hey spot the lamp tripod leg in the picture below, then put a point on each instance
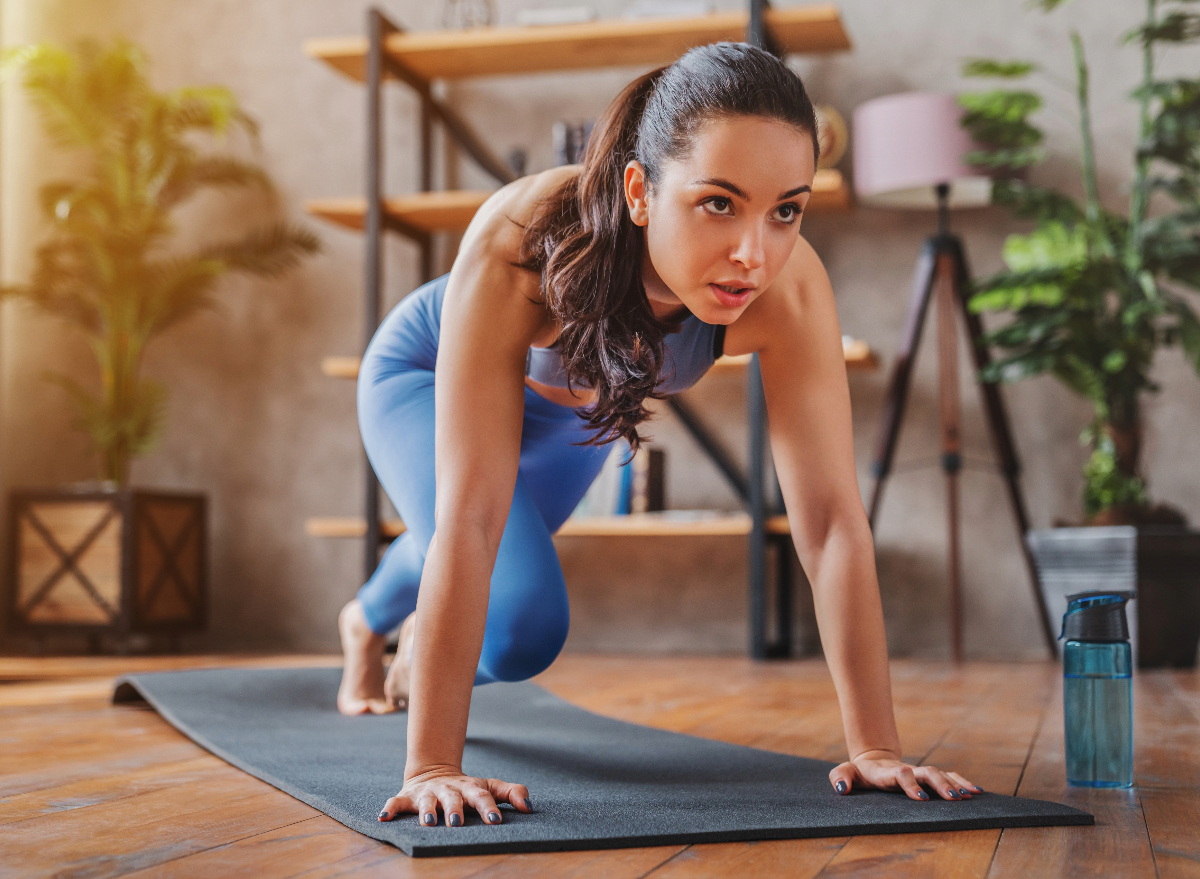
(901, 377)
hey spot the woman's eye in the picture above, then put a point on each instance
(788, 212)
(719, 206)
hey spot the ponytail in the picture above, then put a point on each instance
(589, 253)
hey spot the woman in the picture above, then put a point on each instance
(576, 295)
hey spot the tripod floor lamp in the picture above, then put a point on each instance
(908, 155)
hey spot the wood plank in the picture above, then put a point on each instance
(385, 862)
(111, 785)
(989, 745)
(452, 210)
(149, 829)
(633, 525)
(858, 355)
(490, 51)
(794, 858)
(1167, 770)
(446, 211)
(38, 668)
(1116, 846)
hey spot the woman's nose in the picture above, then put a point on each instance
(748, 251)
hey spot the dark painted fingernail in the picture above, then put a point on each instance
(840, 787)
(493, 817)
(923, 795)
(528, 805)
(964, 791)
(455, 820)
(955, 795)
(384, 815)
(430, 818)
(978, 789)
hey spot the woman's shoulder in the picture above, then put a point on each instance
(501, 219)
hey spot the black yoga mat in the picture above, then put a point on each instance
(595, 782)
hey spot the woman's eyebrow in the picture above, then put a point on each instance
(736, 190)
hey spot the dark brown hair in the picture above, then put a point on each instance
(588, 250)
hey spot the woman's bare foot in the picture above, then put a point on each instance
(395, 688)
(361, 691)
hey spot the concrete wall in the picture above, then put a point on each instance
(255, 424)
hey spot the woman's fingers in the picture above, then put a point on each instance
(485, 805)
(907, 779)
(397, 805)
(964, 784)
(427, 809)
(945, 786)
(516, 795)
(452, 805)
(843, 776)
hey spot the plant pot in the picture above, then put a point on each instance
(1160, 564)
(97, 560)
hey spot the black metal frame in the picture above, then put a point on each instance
(750, 487)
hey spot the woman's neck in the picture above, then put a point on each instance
(665, 305)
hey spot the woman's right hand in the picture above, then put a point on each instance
(447, 788)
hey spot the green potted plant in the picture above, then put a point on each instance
(1093, 295)
(105, 557)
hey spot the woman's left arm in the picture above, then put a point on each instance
(808, 400)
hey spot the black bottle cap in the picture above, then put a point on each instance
(1096, 616)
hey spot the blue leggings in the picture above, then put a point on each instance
(527, 616)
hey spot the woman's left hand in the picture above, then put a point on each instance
(885, 771)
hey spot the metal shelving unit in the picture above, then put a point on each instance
(387, 52)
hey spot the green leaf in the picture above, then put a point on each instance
(1050, 245)
(1036, 202)
(994, 68)
(1175, 27)
(1021, 157)
(1114, 361)
(1189, 334)
(998, 118)
(268, 251)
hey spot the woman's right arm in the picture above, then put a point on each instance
(490, 317)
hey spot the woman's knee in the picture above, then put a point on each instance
(516, 649)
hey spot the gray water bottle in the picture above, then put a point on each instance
(1098, 690)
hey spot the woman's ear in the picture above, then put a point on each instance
(636, 192)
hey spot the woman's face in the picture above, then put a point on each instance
(722, 221)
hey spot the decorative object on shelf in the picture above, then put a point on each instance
(668, 9)
(909, 153)
(463, 14)
(555, 15)
(518, 160)
(105, 270)
(832, 135)
(642, 487)
(1094, 294)
(569, 141)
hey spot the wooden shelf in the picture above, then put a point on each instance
(495, 51)
(673, 523)
(858, 353)
(451, 211)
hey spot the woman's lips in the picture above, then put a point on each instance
(728, 297)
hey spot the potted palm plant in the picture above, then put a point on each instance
(105, 557)
(1093, 295)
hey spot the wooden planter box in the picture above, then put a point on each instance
(94, 561)
(1160, 564)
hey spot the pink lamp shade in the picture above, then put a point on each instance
(906, 144)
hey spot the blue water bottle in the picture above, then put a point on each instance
(1098, 690)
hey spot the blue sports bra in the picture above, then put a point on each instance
(689, 354)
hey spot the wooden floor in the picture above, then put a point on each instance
(92, 790)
